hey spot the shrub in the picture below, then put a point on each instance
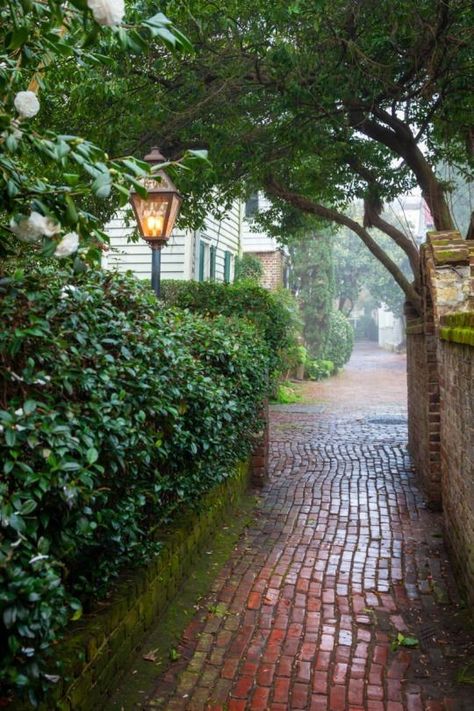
(286, 394)
(318, 369)
(113, 414)
(273, 313)
(339, 340)
(248, 268)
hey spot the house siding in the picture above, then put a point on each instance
(180, 257)
(225, 235)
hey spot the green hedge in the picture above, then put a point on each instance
(275, 314)
(339, 340)
(248, 268)
(114, 411)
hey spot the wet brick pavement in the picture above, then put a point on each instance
(341, 557)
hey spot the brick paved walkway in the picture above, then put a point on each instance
(341, 557)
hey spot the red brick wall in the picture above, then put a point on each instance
(424, 409)
(273, 266)
(456, 362)
(440, 350)
(424, 394)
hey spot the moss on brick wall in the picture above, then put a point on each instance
(458, 328)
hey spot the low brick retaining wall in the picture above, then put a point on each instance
(98, 650)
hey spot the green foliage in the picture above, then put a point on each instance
(340, 340)
(48, 172)
(113, 413)
(312, 278)
(286, 395)
(327, 73)
(403, 641)
(248, 267)
(273, 313)
(318, 369)
(356, 270)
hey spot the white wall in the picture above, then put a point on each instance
(391, 330)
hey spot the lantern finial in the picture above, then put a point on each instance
(155, 156)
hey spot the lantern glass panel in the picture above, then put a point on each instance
(153, 214)
(174, 210)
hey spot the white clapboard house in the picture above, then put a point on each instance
(207, 253)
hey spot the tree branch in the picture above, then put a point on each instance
(373, 218)
(307, 205)
(401, 141)
(372, 215)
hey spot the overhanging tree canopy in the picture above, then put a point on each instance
(317, 101)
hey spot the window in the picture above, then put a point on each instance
(227, 266)
(251, 206)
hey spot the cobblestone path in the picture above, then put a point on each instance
(341, 559)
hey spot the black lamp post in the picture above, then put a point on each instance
(157, 213)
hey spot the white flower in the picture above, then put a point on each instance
(27, 104)
(36, 558)
(32, 228)
(67, 290)
(68, 245)
(42, 381)
(107, 12)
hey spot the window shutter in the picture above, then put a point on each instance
(212, 267)
(227, 258)
(202, 255)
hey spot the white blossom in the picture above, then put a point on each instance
(42, 381)
(67, 290)
(68, 245)
(107, 12)
(32, 228)
(27, 104)
(36, 558)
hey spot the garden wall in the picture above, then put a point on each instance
(440, 350)
(456, 358)
(423, 407)
(100, 647)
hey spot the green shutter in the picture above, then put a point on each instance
(212, 271)
(202, 253)
(227, 257)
